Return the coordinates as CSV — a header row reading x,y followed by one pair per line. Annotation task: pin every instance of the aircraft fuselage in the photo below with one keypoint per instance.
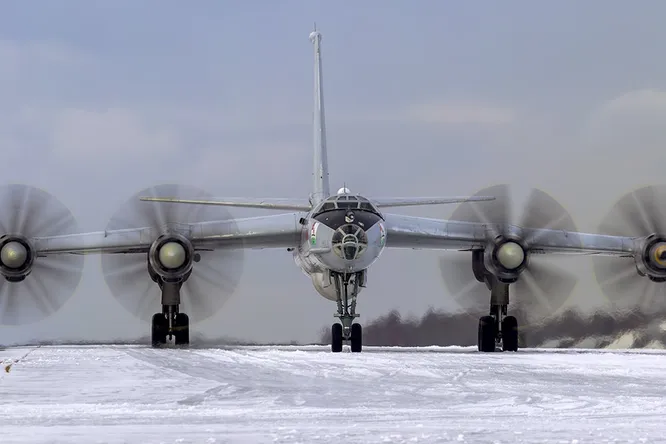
x,y
344,234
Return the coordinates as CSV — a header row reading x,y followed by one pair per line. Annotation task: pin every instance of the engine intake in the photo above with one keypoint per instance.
x,y
170,258
16,258
506,258
651,258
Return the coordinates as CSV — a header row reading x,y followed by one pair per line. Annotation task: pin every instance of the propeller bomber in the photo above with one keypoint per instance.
x,y
171,252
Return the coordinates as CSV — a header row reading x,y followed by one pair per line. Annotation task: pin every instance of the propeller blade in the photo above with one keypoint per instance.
x,y
470,295
496,211
541,291
544,212
636,214
214,278
31,212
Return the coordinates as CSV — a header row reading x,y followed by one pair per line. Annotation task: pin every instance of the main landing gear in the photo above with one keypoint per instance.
x,y
170,323
347,287
497,331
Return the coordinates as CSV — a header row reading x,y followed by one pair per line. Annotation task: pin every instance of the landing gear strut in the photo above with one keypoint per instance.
x,y
170,323
347,287
497,331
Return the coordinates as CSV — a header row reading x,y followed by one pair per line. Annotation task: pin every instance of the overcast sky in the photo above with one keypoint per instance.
x,y
99,100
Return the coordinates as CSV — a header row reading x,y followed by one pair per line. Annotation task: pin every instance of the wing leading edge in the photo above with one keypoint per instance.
x,y
274,231
304,205
241,202
393,202
437,234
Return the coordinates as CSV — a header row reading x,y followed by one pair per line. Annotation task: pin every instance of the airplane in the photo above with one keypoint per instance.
x,y
333,238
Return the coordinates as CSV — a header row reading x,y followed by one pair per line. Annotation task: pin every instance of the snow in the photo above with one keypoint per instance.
x,y
135,394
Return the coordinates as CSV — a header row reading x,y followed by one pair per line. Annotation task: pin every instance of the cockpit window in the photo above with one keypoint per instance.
x,y
347,202
348,205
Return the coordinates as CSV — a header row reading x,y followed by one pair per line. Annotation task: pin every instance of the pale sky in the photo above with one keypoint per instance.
x,y
102,99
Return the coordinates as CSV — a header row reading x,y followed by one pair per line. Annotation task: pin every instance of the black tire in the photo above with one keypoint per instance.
x,y
159,327
487,334
356,338
181,329
336,338
510,334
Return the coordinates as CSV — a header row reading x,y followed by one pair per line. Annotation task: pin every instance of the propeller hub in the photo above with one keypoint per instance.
x,y
13,255
172,255
659,254
510,255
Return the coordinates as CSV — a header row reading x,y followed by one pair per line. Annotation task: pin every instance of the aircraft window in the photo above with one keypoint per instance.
x,y
346,205
346,202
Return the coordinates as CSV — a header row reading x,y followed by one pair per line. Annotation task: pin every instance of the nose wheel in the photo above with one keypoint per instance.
x,y
347,330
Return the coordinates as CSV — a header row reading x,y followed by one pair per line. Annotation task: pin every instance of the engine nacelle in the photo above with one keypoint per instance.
x,y
505,258
17,255
170,258
651,258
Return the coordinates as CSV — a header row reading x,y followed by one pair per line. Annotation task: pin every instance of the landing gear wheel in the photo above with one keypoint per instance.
x,y
181,327
160,328
336,338
510,334
487,334
356,338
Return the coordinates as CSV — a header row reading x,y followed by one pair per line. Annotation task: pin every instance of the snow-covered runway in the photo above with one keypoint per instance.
x,y
287,394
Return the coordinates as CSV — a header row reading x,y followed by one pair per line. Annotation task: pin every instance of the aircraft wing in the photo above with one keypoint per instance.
x,y
425,233
241,202
274,231
391,202
304,205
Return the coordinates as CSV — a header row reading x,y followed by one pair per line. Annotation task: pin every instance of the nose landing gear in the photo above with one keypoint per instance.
x,y
347,287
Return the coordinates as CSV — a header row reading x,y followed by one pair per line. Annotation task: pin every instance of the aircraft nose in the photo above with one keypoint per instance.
x,y
350,241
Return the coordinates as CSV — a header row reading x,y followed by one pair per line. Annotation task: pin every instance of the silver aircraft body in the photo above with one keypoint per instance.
x,y
334,238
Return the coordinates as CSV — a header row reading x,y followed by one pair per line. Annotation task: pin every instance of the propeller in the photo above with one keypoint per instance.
x,y
636,214
27,212
213,279
542,288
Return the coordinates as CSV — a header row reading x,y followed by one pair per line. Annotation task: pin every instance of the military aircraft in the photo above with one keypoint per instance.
x,y
191,249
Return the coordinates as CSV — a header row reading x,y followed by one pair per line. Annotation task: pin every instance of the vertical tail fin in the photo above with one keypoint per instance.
x,y
320,173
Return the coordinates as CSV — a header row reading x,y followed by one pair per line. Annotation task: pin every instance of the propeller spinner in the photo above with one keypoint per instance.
x,y
541,288
32,287
214,273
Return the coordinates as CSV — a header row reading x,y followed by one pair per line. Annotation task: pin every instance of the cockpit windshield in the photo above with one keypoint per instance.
x,y
346,202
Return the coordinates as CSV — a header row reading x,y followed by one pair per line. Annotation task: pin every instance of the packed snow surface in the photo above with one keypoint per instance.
x,y
135,394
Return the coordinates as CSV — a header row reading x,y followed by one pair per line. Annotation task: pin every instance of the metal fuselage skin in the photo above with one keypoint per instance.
x,y
332,241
